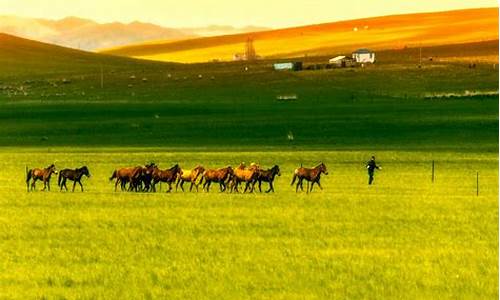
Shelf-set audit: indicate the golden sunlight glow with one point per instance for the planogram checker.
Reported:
(275, 13)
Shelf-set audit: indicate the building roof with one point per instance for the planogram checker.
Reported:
(363, 51)
(337, 58)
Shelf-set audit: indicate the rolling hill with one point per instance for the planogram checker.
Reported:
(19, 56)
(387, 32)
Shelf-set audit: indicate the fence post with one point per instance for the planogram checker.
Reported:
(477, 184)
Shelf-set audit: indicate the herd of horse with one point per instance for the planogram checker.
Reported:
(145, 178)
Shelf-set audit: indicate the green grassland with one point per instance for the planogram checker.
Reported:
(378, 107)
(405, 237)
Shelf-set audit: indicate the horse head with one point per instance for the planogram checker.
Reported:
(322, 168)
(198, 170)
(85, 171)
(276, 170)
(51, 169)
(176, 169)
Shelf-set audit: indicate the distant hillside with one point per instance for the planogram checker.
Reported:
(23, 56)
(387, 32)
(89, 35)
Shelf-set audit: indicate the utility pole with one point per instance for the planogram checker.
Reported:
(477, 184)
(420, 56)
(433, 171)
(102, 77)
(250, 50)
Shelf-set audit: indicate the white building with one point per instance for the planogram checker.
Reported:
(364, 56)
(336, 59)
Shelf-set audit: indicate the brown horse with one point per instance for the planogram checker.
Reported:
(189, 176)
(310, 175)
(40, 174)
(123, 176)
(268, 176)
(73, 175)
(142, 177)
(247, 175)
(219, 175)
(169, 176)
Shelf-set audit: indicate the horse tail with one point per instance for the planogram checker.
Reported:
(294, 178)
(59, 179)
(28, 177)
(113, 176)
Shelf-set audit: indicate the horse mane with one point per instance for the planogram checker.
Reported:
(176, 166)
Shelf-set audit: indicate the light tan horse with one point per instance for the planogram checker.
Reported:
(189, 176)
(248, 175)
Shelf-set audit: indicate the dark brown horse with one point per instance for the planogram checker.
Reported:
(123, 176)
(219, 175)
(142, 177)
(40, 174)
(73, 175)
(312, 175)
(169, 176)
(247, 175)
(189, 176)
(268, 176)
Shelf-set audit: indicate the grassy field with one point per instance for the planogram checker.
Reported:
(379, 107)
(405, 237)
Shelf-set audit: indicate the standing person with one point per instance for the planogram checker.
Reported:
(371, 166)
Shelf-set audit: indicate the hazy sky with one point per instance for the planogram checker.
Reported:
(183, 13)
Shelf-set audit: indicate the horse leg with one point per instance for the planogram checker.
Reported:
(116, 184)
(271, 188)
(312, 185)
(260, 186)
(182, 185)
(33, 184)
(74, 184)
(169, 187)
(81, 185)
(191, 187)
(208, 186)
(319, 185)
(253, 185)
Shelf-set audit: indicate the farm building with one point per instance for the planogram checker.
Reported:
(341, 61)
(295, 66)
(364, 56)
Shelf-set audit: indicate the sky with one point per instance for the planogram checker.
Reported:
(193, 13)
